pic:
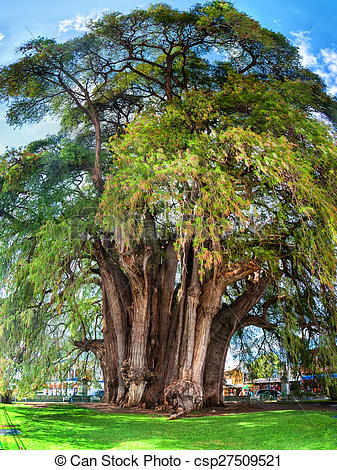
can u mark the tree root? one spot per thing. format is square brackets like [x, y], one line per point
[183, 396]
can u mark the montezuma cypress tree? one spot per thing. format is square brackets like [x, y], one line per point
[215, 180]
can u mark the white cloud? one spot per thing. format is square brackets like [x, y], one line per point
[324, 63]
[333, 90]
[330, 60]
[2, 36]
[303, 42]
[77, 23]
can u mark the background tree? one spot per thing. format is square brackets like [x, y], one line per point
[217, 190]
[267, 365]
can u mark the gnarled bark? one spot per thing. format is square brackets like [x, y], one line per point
[163, 341]
[183, 396]
[225, 323]
[200, 305]
[163, 322]
[116, 304]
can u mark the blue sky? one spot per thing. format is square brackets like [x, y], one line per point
[311, 24]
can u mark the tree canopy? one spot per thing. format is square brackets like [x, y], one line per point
[191, 192]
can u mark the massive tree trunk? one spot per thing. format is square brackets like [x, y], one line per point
[164, 341]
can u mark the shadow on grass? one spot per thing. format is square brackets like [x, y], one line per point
[70, 427]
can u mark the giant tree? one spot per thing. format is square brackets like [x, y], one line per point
[218, 180]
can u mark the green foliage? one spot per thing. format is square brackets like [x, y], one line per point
[46, 227]
[243, 172]
[265, 366]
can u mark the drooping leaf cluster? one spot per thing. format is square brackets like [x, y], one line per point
[48, 297]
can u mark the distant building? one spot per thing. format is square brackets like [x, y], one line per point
[74, 383]
[233, 376]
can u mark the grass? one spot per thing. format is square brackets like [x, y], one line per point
[69, 427]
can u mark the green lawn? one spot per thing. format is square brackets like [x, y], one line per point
[68, 427]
